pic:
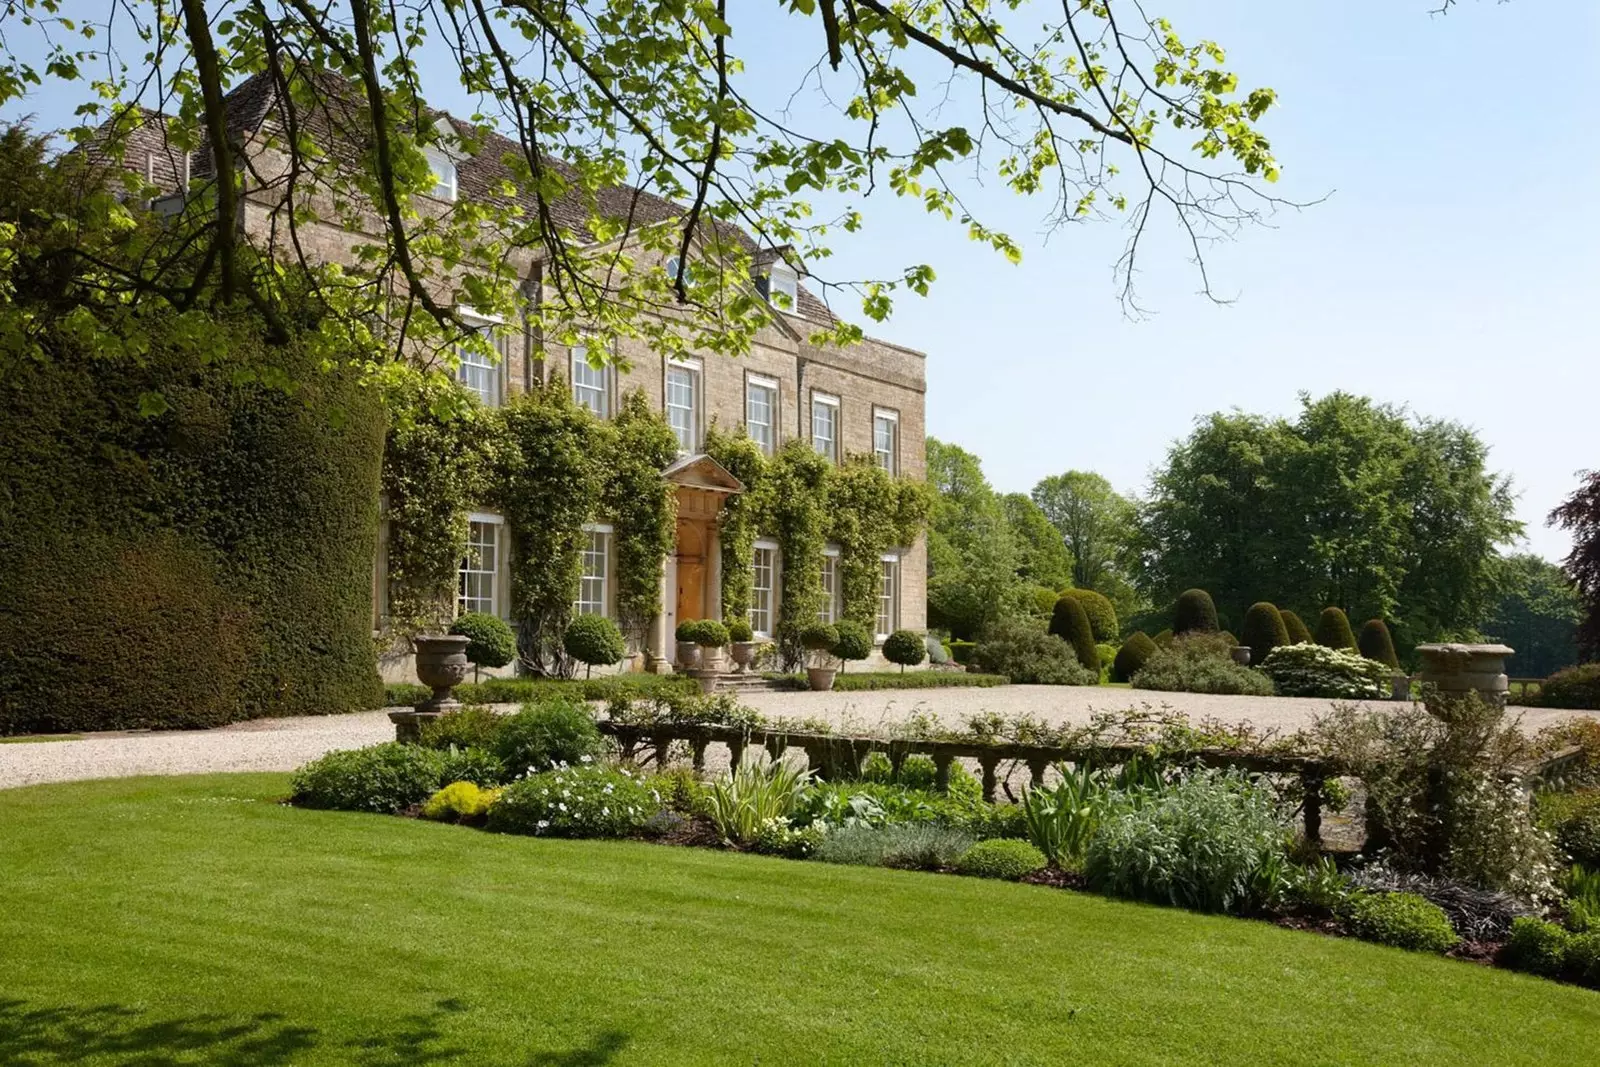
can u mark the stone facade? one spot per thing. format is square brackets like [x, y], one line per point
[865, 383]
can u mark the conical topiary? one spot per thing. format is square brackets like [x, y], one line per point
[1071, 623]
[1264, 630]
[1194, 611]
[1299, 632]
[1163, 638]
[1333, 630]
[1131, 656]
[1102, 614]
[1376, 644]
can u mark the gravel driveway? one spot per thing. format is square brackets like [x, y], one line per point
[284, 744]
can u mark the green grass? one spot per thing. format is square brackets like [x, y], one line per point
[33, 739]
[197, 921]
[864, 681]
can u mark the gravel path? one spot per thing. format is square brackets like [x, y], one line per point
[284, 744]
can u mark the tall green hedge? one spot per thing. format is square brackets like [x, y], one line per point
[206, 561]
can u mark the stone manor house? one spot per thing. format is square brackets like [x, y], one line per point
[867, 398]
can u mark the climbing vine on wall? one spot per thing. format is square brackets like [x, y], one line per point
[742, 515]
[431, 474]
[870, 513]
[546, 479]
[795, 492]
[642, 507]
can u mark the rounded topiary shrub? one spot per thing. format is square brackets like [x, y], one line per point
[1404, 920]
[586, 800]
[686, 631]
[739, 631]
[905, 648]
[547, 732]
[1333, 630]
[709, 633]
[1133, 654]
[1194, 611]
[854, 642]
[1102, 614]
[1574, 688]
[1536, 947]
[1163, 638]
[1264, 630]
[820, 637]
[490, 640]
[1071, 623]
[1000, 858]
[593, 640]
[383, 778]
[1299, 632]
[1376, 644]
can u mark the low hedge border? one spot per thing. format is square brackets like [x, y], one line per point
[522, 690]
[867, 681]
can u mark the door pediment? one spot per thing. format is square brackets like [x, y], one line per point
[700, 471]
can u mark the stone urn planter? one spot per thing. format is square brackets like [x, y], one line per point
[688, 655]
[707, 679]
[1459, 669]
[1240, 654]
[441, 666]
[820, 678]
[711, 658]
[743, 654]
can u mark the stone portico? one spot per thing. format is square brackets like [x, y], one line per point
[691, 578]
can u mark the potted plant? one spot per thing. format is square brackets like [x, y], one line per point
[688, 652]
[710, 635]
[742, 645]
[855, 642]
[819, 639]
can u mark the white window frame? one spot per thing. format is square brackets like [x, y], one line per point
[754, 382]
[888, 459]
[579, 357]
[586, 605]
[696, 400]
[890, 581]
[825, 400]
[467, 361]
[832, 591]
[782, 278]
[495, 573]
[764, 619]
[446, 186]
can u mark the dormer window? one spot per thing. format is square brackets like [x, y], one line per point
[783, 287]
[444, 175]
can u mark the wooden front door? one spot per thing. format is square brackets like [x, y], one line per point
[691, 569]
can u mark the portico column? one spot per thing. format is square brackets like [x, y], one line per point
[656, 660]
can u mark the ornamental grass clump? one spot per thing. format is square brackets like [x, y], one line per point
[1319, 671]
[385, 778]
[586, 799]
[1213, 841]
[753, 794]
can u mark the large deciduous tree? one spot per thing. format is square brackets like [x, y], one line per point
[972, 554]
[1354, 504]
[1096, 524]
[1580, 513]
[1101, 109]
[1537, 613]
[1042, 556]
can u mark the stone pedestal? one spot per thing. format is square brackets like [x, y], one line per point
[1455, 670]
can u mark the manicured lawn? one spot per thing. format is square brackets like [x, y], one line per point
[197, 921]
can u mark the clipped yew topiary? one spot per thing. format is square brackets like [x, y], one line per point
[490, 641]
[594, 641]
[1194, 611]
[1333, 630]
[906, 648]
[1299, 632]
[854, 643]
[1071, 623]
[1376, 644]
[1163, 638]
[1102, 614]
[1131, 656]
[1264, 630]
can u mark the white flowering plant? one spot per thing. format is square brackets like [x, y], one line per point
[1307, 670]
[585, 799]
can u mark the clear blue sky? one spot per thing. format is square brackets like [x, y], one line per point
[1453, 268]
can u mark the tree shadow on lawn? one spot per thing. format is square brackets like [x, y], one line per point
[41, 1036]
